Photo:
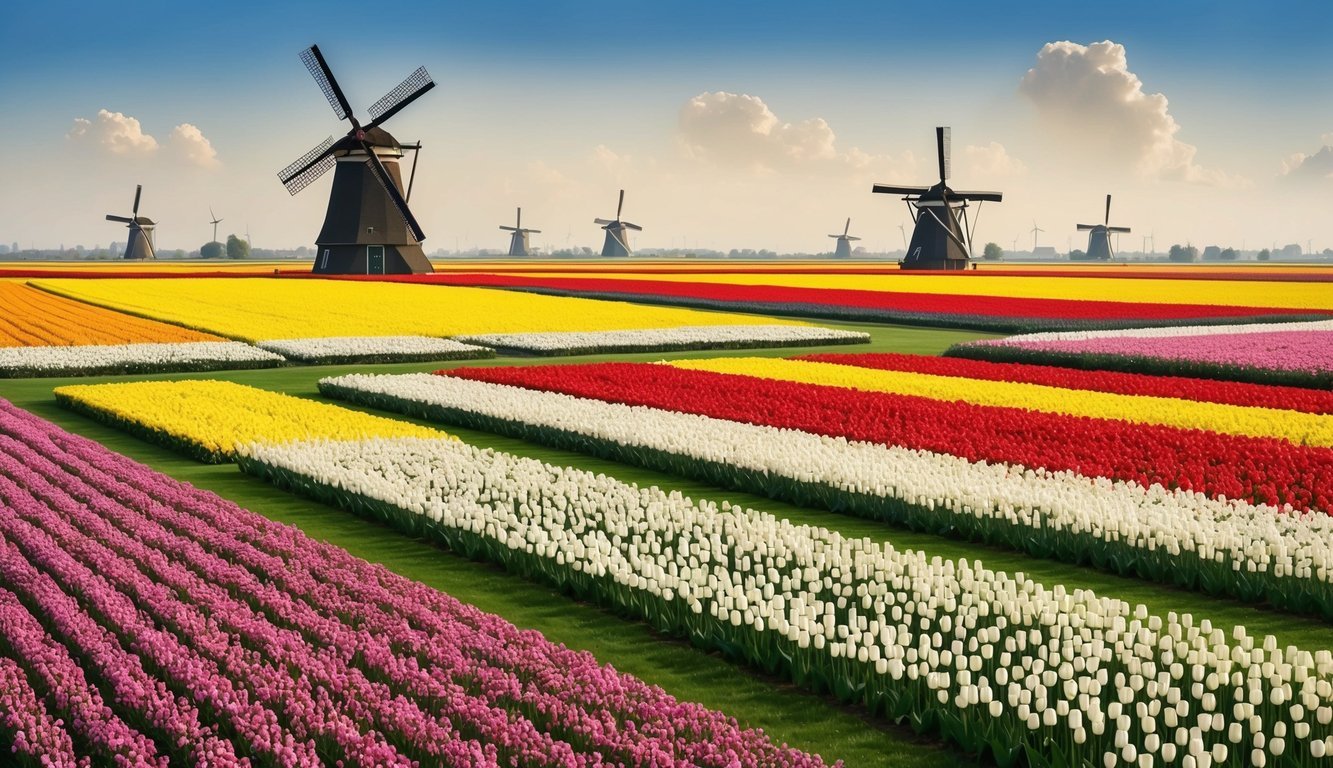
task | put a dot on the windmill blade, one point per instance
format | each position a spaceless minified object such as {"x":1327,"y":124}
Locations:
{"x":212,"y":216}
{"x":319,"y":69}
{"x":121,"y":219}
{"x":847,"y":226}
{"x":942,"y":143}
{"x":895,"y":189}
{"x":1119,"y":230}
{"x":396,"y":100}
{"x":849,"y":237}
{"x":138,"y":190}
{"x":988,"y":197}
{"x":603,"y":222}
{"x":398,"y":202}
{"x":509,"y":229}
{"x":621,"y":205}
{"x":634,"y":227}
{"x":1087,"y":227}
{"x":1107,"y":220}
{"x":835,"y":236}
{"x":308,"y":167}
{"x":535,"y":231}
{"x":518,"y":221}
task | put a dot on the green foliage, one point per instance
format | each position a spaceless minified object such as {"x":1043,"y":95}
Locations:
{"x":992,"y":252}
{"x":1183,"y":253}
{"x":211,"y":250}
{"x":1265,"y":255}
{"x":237,"y":248}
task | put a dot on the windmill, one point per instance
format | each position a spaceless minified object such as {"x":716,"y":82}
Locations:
{"x":1099,"y":245}
{"x":368,"y":228}
{"x":214,"y":221}
{"x":1035,"y":230}
{"x":844,"y":249}
{"x":940,"y":240}
{"x":617,"y":235}
{"x":140,"y":243}
{"x":518,"y":242}
{"x":902,"y":230}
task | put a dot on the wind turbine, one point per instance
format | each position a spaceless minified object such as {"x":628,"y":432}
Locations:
{"x":902,"y":230}
{"x":214,"y":221}
{"x":1035,"y":230}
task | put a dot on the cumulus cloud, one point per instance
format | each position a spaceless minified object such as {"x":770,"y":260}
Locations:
{"x":117,"y":133}
{"x":1088,"y":94}
{"x":990,"y":161}
{"x":1318,"y":166}
{"x":739,"y":130}
{"x":189,"y":143}
{"x":120,"y":135}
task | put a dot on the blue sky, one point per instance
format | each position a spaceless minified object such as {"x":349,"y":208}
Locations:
{"x":554,"y":105}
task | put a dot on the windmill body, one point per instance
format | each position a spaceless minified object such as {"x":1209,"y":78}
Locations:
{"x":368,"y":227}
{"x":140,"y":243}
{"x":617,"y":232}
{"x":1099,"y":240}
{"x":843,"y":250}
{"x":518,"y":241}
{"x":941,"y":238}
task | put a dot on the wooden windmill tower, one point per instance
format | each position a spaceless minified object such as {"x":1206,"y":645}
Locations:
{"x":844,"y":247}
{"x":368,"y":228}
{"x":140,"y":242}
{"x":942,"y":238}
{"x":1099,"y":242}
{"x":518,"y":241}
{"x":617,"y":232}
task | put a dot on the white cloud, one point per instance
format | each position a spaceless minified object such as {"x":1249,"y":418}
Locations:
{"x":1318,"y":166}
{"x":990,"y":161}
{"x":1088,"y":94}
{"x":117,"y":133}
{"x":189,"y":143}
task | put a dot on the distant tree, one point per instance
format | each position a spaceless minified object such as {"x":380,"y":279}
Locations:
{"x":179,"y":253}
{"x":992,"y":252}
{"x":211,"y":250}
{"x":1228,"y":254}
{"x":1077,"y":255}
{"x":1265,"y":255}
{"x":1212,"y":253}
{"x":1183,"y":253}
{"x":237,"y":248}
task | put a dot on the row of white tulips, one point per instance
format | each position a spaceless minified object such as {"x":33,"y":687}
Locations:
{"x":1159,"y":333}
{"x":1248,"y":551}
{"x":664,"y":339}
{"x":994,"y":662}
{"x":132,"y":358}
{"x":347,"y":349}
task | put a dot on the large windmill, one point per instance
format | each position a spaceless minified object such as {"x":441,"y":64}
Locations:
{"x":140,"y":243}
{"x":518,"y":242}
{"x":617,"y":232}
{"x":940,"y":240}
{"x":368,"y":228}
{"x":844,"y":247}
{"x":1099,"y":244}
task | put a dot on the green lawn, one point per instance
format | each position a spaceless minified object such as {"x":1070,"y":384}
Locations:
{"x":787,"y":714}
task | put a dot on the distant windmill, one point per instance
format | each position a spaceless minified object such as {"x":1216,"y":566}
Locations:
{"x":940,"y":240}
{"x":214,"y":221}
{"x":1099,"y":245}
{"x":518,"y":242}
{"x":140,"y":243}
{"x":617,"y":235}
{"x":1014,"y":247}
{"x":368,"y":228}
{"x":902,"y":230}
{"x":1035,"y":230}
{"x":844,"y":248}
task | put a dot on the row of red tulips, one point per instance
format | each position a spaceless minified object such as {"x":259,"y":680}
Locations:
{"x":1260,"y":470}
{"x":1202,"y":390}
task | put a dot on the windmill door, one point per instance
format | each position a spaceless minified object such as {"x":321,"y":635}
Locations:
{"x":374,"y":259}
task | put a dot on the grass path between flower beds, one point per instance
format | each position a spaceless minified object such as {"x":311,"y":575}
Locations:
{"x":787,"y":714}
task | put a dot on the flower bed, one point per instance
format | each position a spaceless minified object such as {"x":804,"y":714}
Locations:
{"x":209,"y":419}
{"x":146,"y":622}
{"x":373,"y":349}
{"x":668,"y":339}
{"x":1005,"y":314}
{"x":1208,"y":391}
{"x":34,"y":318}
{"x":1254,"y":553}
{"x":1296,"y":354}
{"x":998,"y":664}
{"x":92,"y":360}
{"x":1215,"y":464}
{"x":1293,"y":426}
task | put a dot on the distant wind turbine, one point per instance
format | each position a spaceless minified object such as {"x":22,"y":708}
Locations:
{"x":215,"y":220}
{"x":1035,"y":230}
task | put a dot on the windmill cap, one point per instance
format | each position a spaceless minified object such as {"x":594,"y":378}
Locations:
{"x":376,"y":137}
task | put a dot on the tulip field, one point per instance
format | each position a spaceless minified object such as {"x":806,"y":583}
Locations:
{"x":528,"y":514}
